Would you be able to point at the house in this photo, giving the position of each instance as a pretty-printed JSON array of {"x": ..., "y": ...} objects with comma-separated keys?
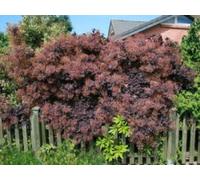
[{"x": 173, "y": 27}]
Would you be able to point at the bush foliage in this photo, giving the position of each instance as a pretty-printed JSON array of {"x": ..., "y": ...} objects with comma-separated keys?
[{"x": 82, "y": 82}]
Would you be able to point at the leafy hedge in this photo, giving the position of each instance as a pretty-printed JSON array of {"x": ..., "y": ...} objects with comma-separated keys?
[{"x": 82, "y": 82}]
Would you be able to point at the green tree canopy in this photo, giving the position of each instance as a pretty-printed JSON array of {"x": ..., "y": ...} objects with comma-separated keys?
[
  {"x": 190, "y": 47},
  {"x": 38, "y": 29}
]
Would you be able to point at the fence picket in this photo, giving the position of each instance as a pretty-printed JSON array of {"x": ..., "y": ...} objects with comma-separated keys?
[
  {"x": 83, "y": 146},
  {"x": 124, "y": 143},
  {"x": 51, "y": 138},
  {"x": 25, "y": 138},
  {"x": 184, "y": 141},
  {"x": 58, "y": 138},
  {"x": 43, "y": 131},
  {"x": 148, "y": 160},
  {"x": 8, "y": 134},
  {"x": 155, "y": 156},
  {"x": 192, "y": 141},
  {"x": 139, "y": 158},
  {"x": 17, "y": 140},
  {"x": 91, "y": 146},
  {"x": 169, "y": 146},
  {"x": 177, "y": 130},
  {"x": 1, "y": 132},
  {"x": 131, "y": 154},
  {"x": 174, "y": 132},
  {"x": 165, "y": 148}
]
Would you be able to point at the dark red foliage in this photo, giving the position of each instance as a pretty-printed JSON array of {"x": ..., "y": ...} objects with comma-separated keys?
[
  {"x": 11, "y": 114},
  {"x": 81, "y": 82}
]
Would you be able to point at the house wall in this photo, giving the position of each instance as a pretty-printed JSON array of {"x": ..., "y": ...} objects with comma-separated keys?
[{"x": 173, "y": 32}]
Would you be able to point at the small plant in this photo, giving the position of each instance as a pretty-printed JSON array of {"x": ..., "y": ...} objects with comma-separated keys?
[
  {"x": 64, "y": 154},
  {"x": 68, "y": 154},
  {"x": 112, "y": 144}
]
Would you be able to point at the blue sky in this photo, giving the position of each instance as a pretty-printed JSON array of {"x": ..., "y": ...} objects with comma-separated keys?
[{"x": 83, "y": 23}]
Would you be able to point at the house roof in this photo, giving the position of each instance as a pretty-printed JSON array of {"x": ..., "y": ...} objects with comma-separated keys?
[
  {"x": 122, "y": 29},
  {"x": 119, "y": 26}
]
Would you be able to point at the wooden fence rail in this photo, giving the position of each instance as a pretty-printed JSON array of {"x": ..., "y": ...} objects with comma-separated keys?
[{"x": 181, "y": 145}]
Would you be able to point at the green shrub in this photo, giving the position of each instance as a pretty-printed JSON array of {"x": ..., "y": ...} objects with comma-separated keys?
[
  {"x": 112, "y": 144},
  {"x": 10, "y": 155},
  {"x": 188, "y": 102}
]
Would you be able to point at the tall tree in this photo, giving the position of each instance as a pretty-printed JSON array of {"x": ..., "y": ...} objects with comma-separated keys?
[
  {"x": 38, "y": 29},
  {"x": 188, "y": 101},
  {"x": 190, "y": 47}
]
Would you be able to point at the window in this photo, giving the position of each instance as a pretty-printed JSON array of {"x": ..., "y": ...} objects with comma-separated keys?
[
  {"x": 184, "y": 19},
  {"x": 179, "y": 20},
  {"x": 171, "y": 21}
]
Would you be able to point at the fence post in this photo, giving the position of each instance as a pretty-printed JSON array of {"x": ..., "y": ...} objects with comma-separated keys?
[
  {"x": 35, "y": 131},
  {"x": 172, "y": 140}
]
